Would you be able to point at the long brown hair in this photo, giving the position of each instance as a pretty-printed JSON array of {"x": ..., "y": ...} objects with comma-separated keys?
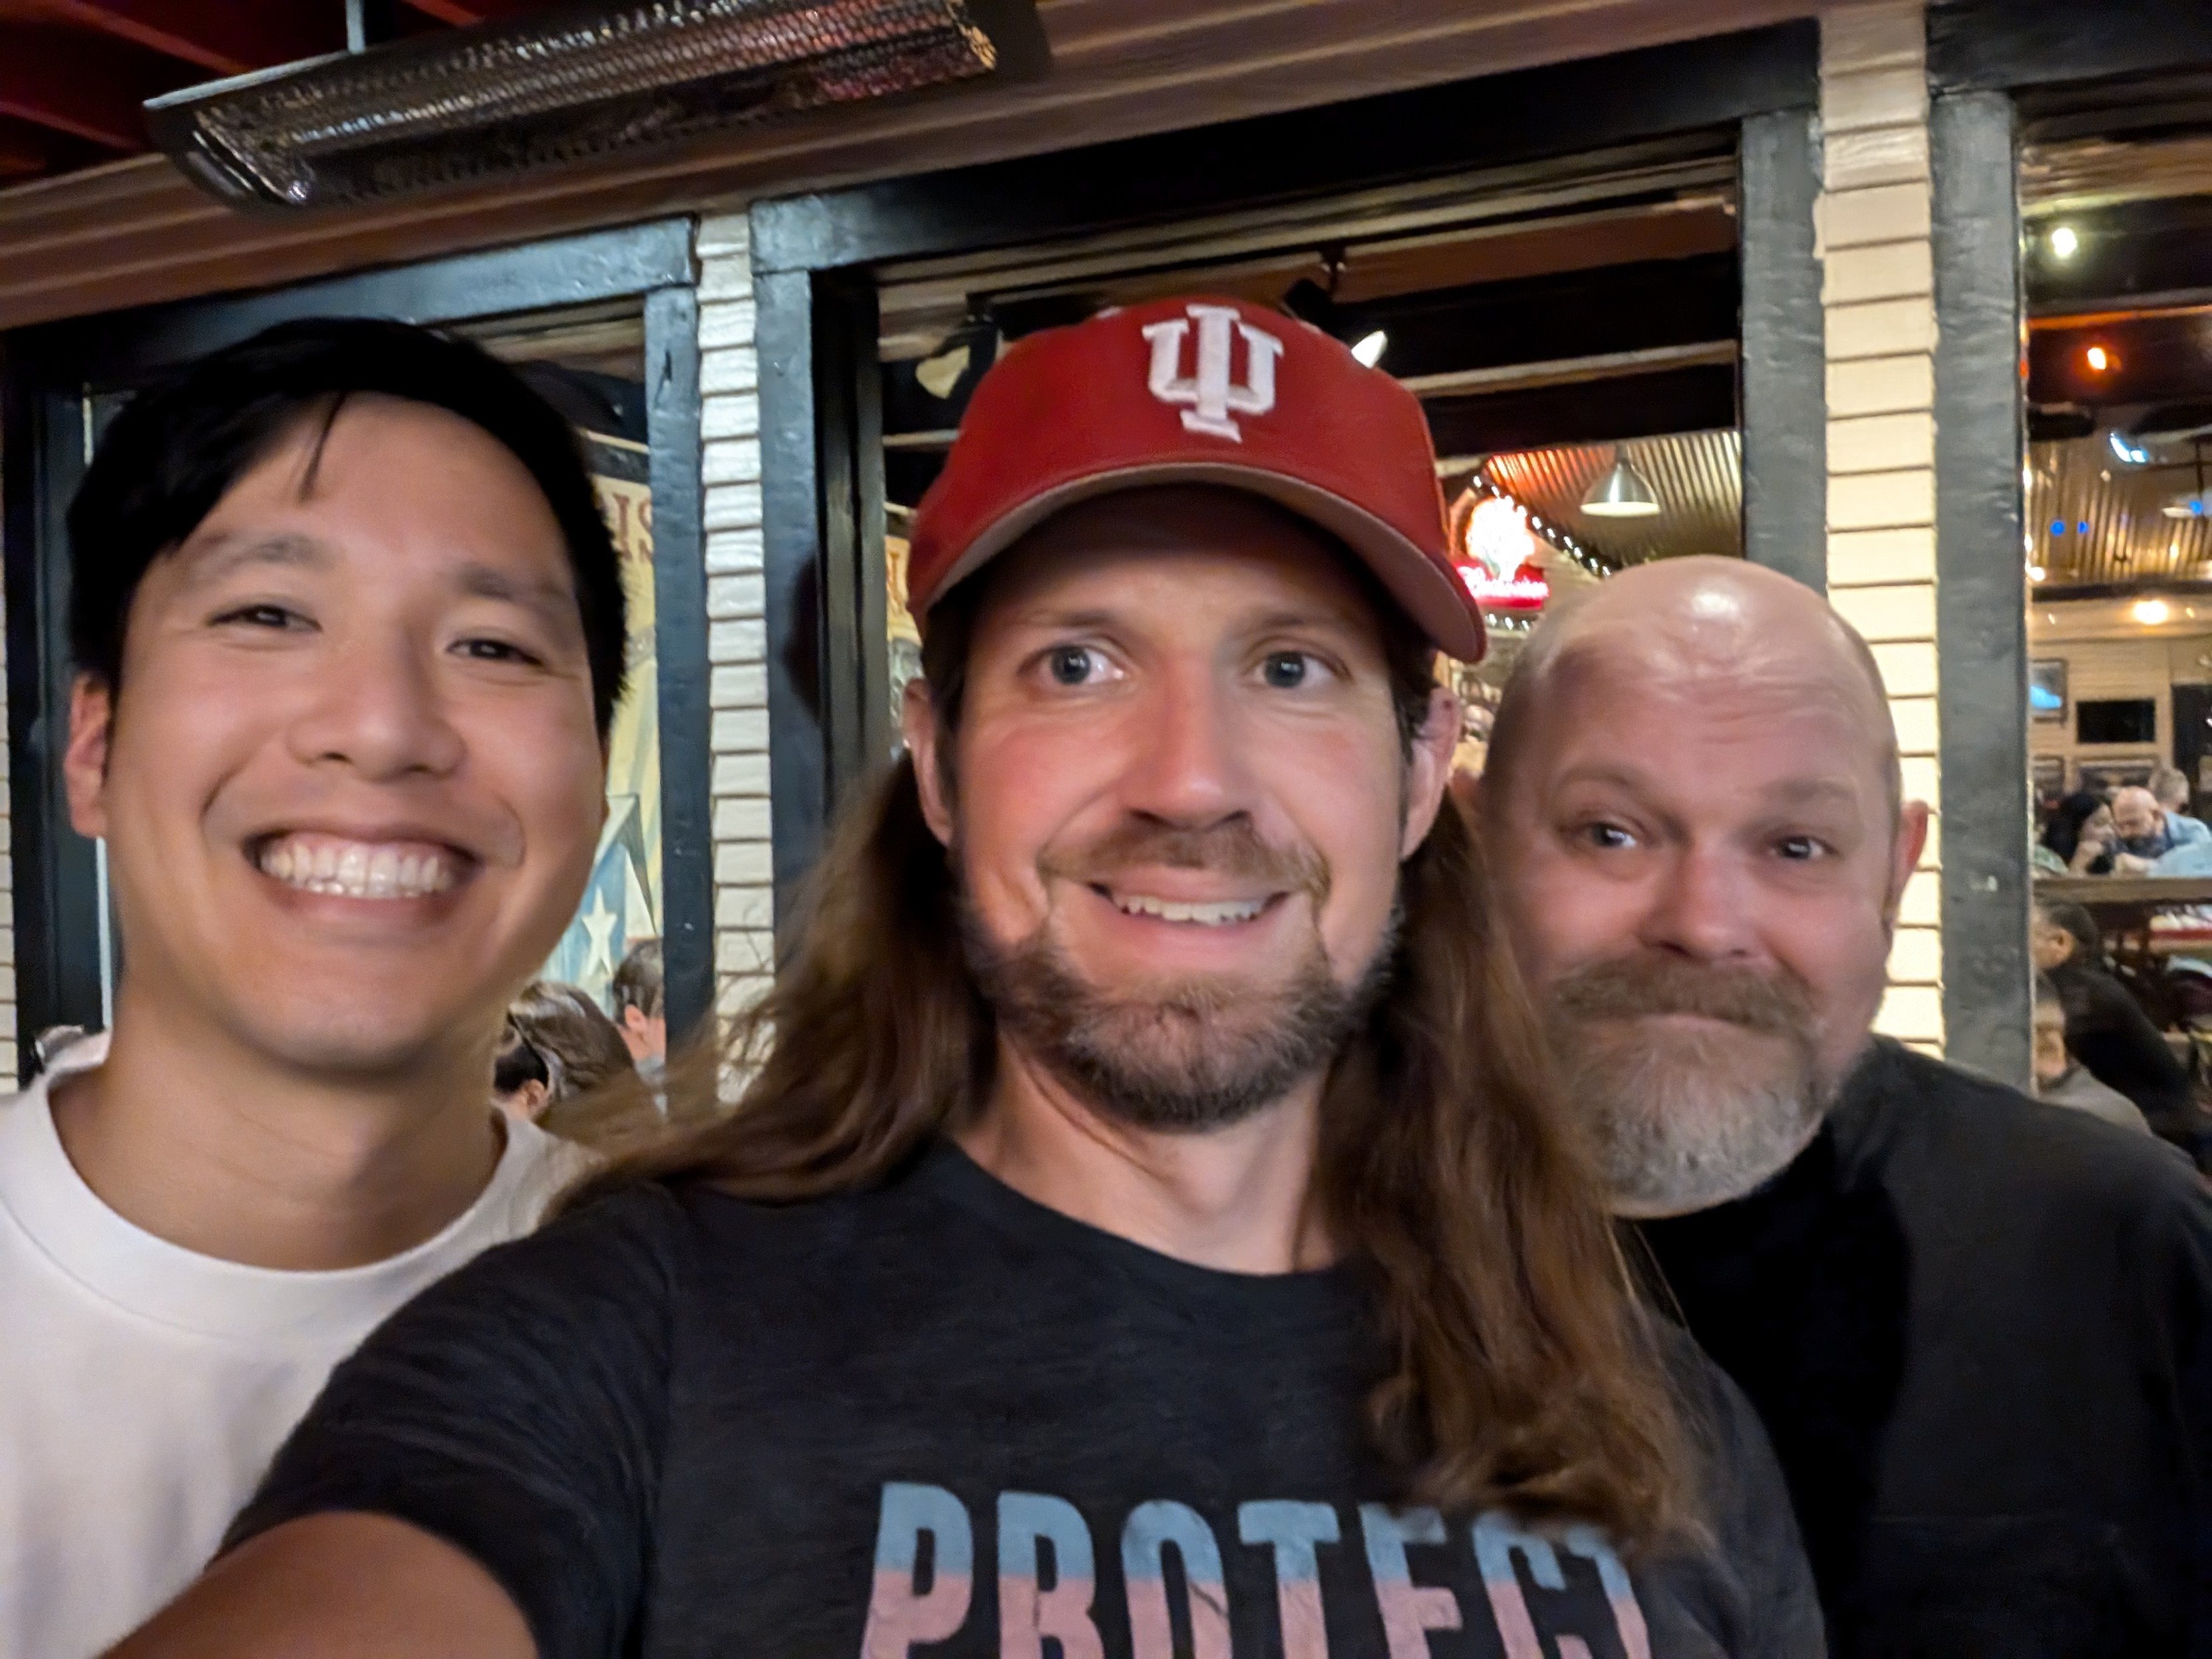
[{"x": 1524, "y": 1376}]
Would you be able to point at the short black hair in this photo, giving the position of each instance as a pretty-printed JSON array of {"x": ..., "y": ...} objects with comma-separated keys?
[
  {"x": 2076, "y": 920},
  {"x": 185, "y": 441},
  {"x": 637, "y": 983}
]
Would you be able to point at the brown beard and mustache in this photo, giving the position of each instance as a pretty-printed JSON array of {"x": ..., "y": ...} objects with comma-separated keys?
[
  {"x": 1179, "y": 1054},
  {"x": 1680, "y": 1119}
]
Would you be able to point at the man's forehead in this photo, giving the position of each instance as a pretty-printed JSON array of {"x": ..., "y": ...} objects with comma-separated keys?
[
  {"x": 1704, "y": 693},
  {"x": 1645, "y": 716},
  {"x": 1126, "y": 553}
]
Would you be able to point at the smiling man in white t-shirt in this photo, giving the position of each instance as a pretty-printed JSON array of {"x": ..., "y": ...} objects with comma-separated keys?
[{"x": 348, "y": 633}]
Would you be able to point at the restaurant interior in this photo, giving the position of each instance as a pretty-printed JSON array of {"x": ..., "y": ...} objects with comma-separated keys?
[{"x": 2118, "y": 264}]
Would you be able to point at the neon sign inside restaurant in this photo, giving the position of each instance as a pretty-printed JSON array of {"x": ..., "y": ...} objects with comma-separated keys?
[{"x": 1498, "y": 553}]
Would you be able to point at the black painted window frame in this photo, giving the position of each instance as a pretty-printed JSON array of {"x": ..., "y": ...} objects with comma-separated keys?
[{"x": 48, "y": 377}]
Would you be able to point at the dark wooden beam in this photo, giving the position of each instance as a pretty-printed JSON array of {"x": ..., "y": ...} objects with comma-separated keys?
[
  {"x": 226, "y": 40},
  {"x": 87, "y": 87}
]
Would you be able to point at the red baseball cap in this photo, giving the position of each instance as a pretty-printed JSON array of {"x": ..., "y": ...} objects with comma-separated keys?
[{"x": 1198, "y": 390}]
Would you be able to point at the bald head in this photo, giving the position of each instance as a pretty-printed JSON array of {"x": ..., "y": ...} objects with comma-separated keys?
[
  {"x": 1703, "y": 624},
  {"x": 2136, "y": 815}
]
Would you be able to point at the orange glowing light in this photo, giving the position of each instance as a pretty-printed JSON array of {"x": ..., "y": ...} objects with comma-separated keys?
[{"x": 2100, "y": 361}]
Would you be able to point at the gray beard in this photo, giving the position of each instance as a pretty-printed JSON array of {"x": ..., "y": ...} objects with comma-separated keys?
[
  {"x": 1672, "y": 1134},
  {"x": 1682, "y": 1119},
  {"x": 1182, "y": 1056}
]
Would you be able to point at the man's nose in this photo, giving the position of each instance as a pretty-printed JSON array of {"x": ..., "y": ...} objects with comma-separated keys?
[
  {"x": 1703, "y": 907},
  {"x": 377, "y": 708},
  {"x": 1188, "y": 765}
]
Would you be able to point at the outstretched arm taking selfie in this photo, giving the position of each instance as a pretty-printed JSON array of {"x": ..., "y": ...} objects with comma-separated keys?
[{"x": 339, "y": 1587}]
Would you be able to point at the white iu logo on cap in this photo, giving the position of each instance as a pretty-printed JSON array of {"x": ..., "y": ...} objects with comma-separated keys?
[{"x": 1212, "y": 394}]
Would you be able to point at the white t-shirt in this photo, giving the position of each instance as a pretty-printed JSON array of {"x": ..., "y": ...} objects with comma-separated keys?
[{"x": 143, "y": 1389}]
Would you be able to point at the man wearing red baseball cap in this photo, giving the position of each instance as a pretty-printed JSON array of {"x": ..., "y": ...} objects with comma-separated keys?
[{"x": 1147, "y": 1229}]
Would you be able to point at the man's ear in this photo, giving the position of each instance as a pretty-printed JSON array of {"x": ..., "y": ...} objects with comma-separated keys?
[
  {"x": 1904, "y": 853},
  {"x": 84, "y": 762},
  {"x": 1431, "y": 768},
  {"x": 918, "y": 720}
]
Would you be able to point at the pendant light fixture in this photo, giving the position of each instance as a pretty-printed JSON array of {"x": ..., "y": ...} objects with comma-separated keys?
[{"x": 1622, "y": 493}]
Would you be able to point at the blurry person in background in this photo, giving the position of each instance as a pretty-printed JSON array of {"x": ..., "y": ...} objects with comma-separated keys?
[
  {"x": 348, "y": 632},
  {"x": 2106, "y": 1029},
  {"x": 2143, "y": 831},
  {"x": 2169, "y": 788},
  {"x": 558, "y": 1062},
  {"x": 1979, "y": 1329},
  {"x": 2078, "y": 838},
  {"x": 640, "y": 1009},
  {"x": 2062, "y": 1079}
]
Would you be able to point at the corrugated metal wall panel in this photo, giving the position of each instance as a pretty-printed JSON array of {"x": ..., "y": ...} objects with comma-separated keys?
[{"x": 2092, "y": 520}]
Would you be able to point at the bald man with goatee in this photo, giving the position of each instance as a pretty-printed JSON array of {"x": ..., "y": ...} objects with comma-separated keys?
[{"x": 1979, "y": 1328}]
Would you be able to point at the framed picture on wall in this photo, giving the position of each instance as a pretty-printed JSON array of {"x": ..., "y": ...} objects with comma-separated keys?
[
  {"x": 2104, "y": 777},
  {"x": 2046, "y": 689}
]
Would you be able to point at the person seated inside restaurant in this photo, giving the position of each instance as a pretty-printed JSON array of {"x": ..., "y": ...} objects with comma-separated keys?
[
  {"x": 2078, "y": 839},
  {"x": 2060, "y": 1077},
  {"x": 2169, "y": 787},
  {"x": 2145, "y": 831},
  {"x": 2107, "y": 1029},
  {"x": 2191, "y": 852}
]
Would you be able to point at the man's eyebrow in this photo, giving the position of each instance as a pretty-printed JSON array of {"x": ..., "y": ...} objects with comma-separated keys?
[
  {"x": 1319, "y": 616},
  {"x": 556, "y": 601},
  {"x": 1624, "y": 777},
  {"x": 1051, "y": 617},
  {"x": 219, "y": 556}
]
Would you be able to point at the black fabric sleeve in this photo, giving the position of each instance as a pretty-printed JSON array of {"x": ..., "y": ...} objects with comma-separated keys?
[
  {"x": 1744, "y": 1503},
  {"x": 516, "y": 1410}
]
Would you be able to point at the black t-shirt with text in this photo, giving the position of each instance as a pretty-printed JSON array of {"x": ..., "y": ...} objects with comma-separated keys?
[{"x": 939, "y": 1419}]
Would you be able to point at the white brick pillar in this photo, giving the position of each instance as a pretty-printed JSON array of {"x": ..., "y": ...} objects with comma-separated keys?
[
  {"x": 1879, "y": 296},
  {"x": 736, "y": 645}
]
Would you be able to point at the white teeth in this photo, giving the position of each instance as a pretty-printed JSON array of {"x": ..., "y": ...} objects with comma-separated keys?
[
  {"x": 1205, "y": 915},
  {"x": 356, "y": 869}
]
